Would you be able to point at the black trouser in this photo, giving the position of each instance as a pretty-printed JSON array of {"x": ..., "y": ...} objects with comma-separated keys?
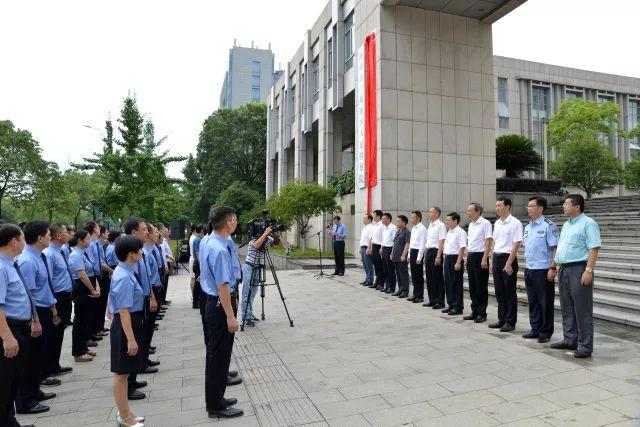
[
  {"x": 435, "y": 279},
  {"x": 165, "y": 285},
  {"x": 63, "y": 306},
  {"x": 151, "y": 324},
  {"x": 453, "y": 282},
  {"x": 505, "y": 286},
  {"x": 143, "y": 347},
  {"x": 338, "y": 255},
  {"x": 417, "y": 274},
  {"x": 36, "y": 361},
  {"x": 389, "y": 270},
  {"x": 80, "y": 333},
  {"x": 402, "y": 276},
  {"x": 12, "y": 370},
  {"x": 541, "y": 295},
  {"x": 101, "y": 303},
  {"x": 376, "y": 258},
  {"x": 219, "y": 346},
  {"x": 478, "y": 283}
]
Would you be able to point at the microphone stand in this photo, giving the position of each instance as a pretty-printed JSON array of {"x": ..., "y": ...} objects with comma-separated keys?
[{"x": 322, "y": 273}]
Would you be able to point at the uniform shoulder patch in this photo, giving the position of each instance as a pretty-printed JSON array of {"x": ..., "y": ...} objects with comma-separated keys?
[{"x": 548, "y": 221}]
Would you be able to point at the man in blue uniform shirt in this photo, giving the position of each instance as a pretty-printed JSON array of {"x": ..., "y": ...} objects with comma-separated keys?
[
  {"x": 96, "y": 252},
  {"x": 540, "y": 241},
  {"x": 338, "y": 233}
]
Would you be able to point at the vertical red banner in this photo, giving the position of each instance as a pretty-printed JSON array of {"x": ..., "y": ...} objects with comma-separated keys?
[{"x": 371, "y": 116}]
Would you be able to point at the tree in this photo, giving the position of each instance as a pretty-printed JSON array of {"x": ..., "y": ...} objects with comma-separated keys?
[
  {"x": 297, "y": 202},
  {"x": 632, "y": 172},
  {"x": 48, "y": 194},
  {"x": 197, "y": 205},
  {"x": 86, "y": 191},
  {"x": 516, "y": 154},
  {"x": 241, "y": 198},
  {"x": 20, "y": 160},
  {"x": 578, "y": 120}
]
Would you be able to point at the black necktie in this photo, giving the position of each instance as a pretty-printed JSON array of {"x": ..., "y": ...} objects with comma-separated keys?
[
  {"x": 24, "y": 284},
  {"x": 144, "y": 306},
  {"x": 46, "y": 266},
  {"x": 86, "y": 255},
  {"x": 67, "y": 264}
]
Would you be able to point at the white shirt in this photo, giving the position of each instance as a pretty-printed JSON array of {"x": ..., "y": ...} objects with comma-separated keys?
[
  {"x": 167, "y": 249},
  {"x": 376, "y": 233},
  {"x": 437, "y": 231},
  {"x": 388, "y": 234},
  {"x": 505, "y": 234},
  {"x": 479, "y": 231},
  {"x": 418, "y": 238},
  {"x": 365, "y": 234},
  {"x": 191, "y": 239},
  {"x": 456, "y": 239}
]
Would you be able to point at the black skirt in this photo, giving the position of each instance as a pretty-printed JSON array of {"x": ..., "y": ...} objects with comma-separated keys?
[{"x": 121, "y": 362}]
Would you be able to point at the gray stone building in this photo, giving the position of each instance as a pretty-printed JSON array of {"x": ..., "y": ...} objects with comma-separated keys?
[{"x": 249, "y": 76}]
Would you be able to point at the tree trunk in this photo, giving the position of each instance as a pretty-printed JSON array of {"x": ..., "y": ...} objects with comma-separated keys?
[
  {"x": 303, "y": 244},
  {"x": 1, "y": 197}
]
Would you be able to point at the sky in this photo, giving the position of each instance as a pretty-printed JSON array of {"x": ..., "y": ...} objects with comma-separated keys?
[{"x": 69, "y": 64}]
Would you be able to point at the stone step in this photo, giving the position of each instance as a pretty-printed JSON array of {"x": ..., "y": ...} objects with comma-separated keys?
[
  {"x": 619, "y": 265},
  {"x": 618, "y": 256},
  {"x": 621, "y": 249},
  {"x": 619, "y": 241}
]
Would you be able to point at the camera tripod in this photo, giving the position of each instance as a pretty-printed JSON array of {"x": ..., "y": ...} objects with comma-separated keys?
[{"x": 259, "y": 279}]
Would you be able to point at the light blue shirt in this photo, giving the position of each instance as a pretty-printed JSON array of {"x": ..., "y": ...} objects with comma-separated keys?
[
  {"x": 78, "y": 261},
  {"x": 125, "y": 291},
  {"x": 96, "y": 253},
  {"x": 540, "y": 237},
  {"x": 579, "y": 235},
  {"x": 35, "y": 276},
  {"x": 143, "y": 274},
  {"x": 60, "y": 274},
  {"x": 215, "y": 269},
  {"x": 110, "y": 258},
  {"x": 196, "y": 244},
  {"x": 14, "y": 300},
  {"x": 235, "y": 263},
  {"x": 67, "y": 252},
  {"x": 152, "y": 266},
  {"x": 339, "y": 228}
]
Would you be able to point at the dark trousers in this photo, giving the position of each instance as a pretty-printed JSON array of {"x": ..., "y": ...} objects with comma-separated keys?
[
  {"x": 338, "y": 255},
  {"x": 165, "y": 286},
  {"x": 505, "y": 287},
  {"x": 453, "y": 282},
  {"x": 478, "y": 283},
  {"x": 63, "y": 306},
  {"x": 417, "y": 274},
  {"x": 377, "y": 264},
  {"x": 36, "y": 361},
  {"x": 402, "y": 276},
  {"x": 219, "y": 346},
  {"x": 80, "y": 333},
  {"x": 101, "y": 303},
  {"x": 196, "y": 292},
  {"x": 541, "y": 296},
  {"x": 389, "y": 270},
  {"x": 435, "y": 279},
  {"x": 11, "y": 372},
  {"x": 576, "y": 301},
  {"x": 150, "y": 325},
  {"x": 143, "y": 346}
]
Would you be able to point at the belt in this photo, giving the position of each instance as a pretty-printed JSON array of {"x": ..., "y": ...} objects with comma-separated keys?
[
  {"x": 473, "y": 253},
  {"x": 501, "y": 254},
  {"x": 432, "y": 249},
  {"x": 18, "y": 323},
  {"x": 446, "y": 256},
  {"x": 364, "y": 246},
  {"x": 571, "y": 264}
]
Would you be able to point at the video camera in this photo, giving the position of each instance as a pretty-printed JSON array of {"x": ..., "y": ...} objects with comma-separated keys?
[{"x": 257, "y": 226}]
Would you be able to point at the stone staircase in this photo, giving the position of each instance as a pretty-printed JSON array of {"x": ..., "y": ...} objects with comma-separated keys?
[{"x": 616, "y": 295}]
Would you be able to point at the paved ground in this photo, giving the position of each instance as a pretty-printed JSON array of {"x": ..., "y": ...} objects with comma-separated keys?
[{"x": 359, "y": 357}]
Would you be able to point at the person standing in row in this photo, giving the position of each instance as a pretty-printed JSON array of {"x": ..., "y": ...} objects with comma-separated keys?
[
  {"x": 168, "y": 255},
  {"x": 416, "y": 247},
  {"x": 375, "y": 243},
  {"x": 399, "y": 254},
  {"x": 196, "y": 290},
  {"x": 150, "y": 260},
  {"x": 388, "y": 234},
  {"x": 576, "y": 256},
  {"x": 436, "y": 234},
  {"x": 110, "y": 253},
  {"x": 507, "y": 235},
  {"x": 102, "y": 270},
  {"x": 478, "y": 247},
  {"x": 338, "y": 233},
  {"x": 454, "y": 245},
  {"x": 365, "y": 238}
]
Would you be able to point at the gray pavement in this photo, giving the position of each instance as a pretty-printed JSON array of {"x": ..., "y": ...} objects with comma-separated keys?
[{"x": 359, "y": 357}]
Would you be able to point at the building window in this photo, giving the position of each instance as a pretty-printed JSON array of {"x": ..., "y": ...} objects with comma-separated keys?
[
  {"x": 348, "y": 159},
  {"x": 574, "y": 94},
  {"x": 606, "y": 139},
  {"x": 330, "y": 63},
  {"x": 349, "y": 41},
  {"x": 315, "y": 66},
  {"x": 277, "y": 122},
  {"x": 503, "y": 103},
  {"x": 255, "y": 67},
  {"x": 540, "y": 113},
  {"x": 634, "y": 113},
  {"x": 255, "y": 81},
  {"x": 255, "y": 94},
  {"x": 292, "y": 104}
]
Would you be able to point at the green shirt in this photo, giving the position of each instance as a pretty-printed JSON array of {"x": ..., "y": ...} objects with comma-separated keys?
[{"x": 578, "y": 236}]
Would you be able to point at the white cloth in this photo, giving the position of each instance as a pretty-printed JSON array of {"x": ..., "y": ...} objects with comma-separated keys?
[
  {"x": 506, "y": 233},
  {"x": 388, "y": 234},
  {"x": 365, "y": 234},
  {"x": 376, "y": 234},
  {"x": 437, "y": 231},
  {"x": 456, "y": 239},
  {"x": 478, "y": 232},
  {"x": 191, "y": 254},
  {"x": 418, "y": 238}
]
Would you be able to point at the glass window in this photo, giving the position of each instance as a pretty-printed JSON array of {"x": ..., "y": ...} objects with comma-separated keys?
[
  {"x": 348, "y": 158},
  {"x": 255, "y": 67},
  {"x": 503, "y": 103},
  {"x": 606, "y": 139},
  {"x": 574, "y": 94},
  {"x": 255, "y": 94},
  {"x": 540, "y": 113},
  {"x": 292, "y": 103},
  {"x": 255, "y": 81},
  {"x": 634, "y": 113},
  {"x": 503, "y": 122},
  {"x": 349, "y": 41},
  {"x": 330, "y": 63},
  {"x": 315, "y": 65},
  {"x": 278, "y": 121}
]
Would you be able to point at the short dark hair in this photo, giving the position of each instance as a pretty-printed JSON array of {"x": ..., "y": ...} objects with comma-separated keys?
[
  {"x": 337, "y": 217},
  {"x": 113, "y": 235},
  {"x": 220, "y": 215},
  {"x": 378, "y": 212},
  {"x": 540, "y": 201},
  {"x": 477, "y": 207},
  {"x": 418, "y": 214},
  {"x": 193, "y": 228},
  {"x": 437, "y": 208},
  {"x": 127, "y": 244},
  {"x": 54, "y": 228},
  {"x": 199, "y": 228},
  {"x": 505, "y": 200},
  {"x": 9, "y": 232},
  {"x": 132, "y": 224},
  {"x": 576, "y": 199},
  {"x": 388, "y": 215},
  {"x": 90, "y": 226},
  {"x": 33, "y": 230},
  {"x": 403, "y": 218},
  {"x": 370, "y": 217},
  {"x": 80, "y": 235},
  {"x": 103, "y": 229},
  {"x": 454, "y": 216}
]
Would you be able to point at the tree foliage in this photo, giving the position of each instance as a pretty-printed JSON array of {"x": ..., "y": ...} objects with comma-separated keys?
[
  {"x": 579, "y": 121},
  {"x": 344, "y": 183},
  {"x": 241, "y": 198},
  {"x": 516, "y": 154},
  {"x": 632, "y": 172}
]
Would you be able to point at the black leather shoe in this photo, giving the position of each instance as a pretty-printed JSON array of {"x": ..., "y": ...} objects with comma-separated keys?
[
  {"x": 35, "y": 409},
  {"x": 543, "y": 340},
  {"x": 63, "y": 370},
  {"x": 233, "y": 374},
  {"x": 149, "y": 370},
  {"x": 45, "y": 396},
  {"x": 228, "y": 412},
  {"x": 139, "y": 384},
  {"x": 529, "y": 336},
  {"x": 152, "y": 351},
  {"x": 363, "y": 283},
  {"x": 152, "y": 347},
  {"x": 454, "y": 312},
  {"x": 581, "y": 354},
  {"x": 96, "y": 338},
  {"x": 411, "y": 299},
  {"x": 389, "y": 291},
  {"x": 403, "y": 295},
  {"x": 50, "y": 382},
  {"x": 231, "y": 401},
  {"x": 480, "y": 319},
  {"x": 561, "y": 345},
  {"x": 418, "y": 300},
  {"x": 233, "y": 380},
  {"x": 153, "y": 362},
  {"x": 136, "y": 395},
  {"x": 92, "y": 343},
  {"x": 445, "y": 310},
  {"x": 427, "y": 304},
  {"x": 507, "y": 328},
  {"x": 396, "y": 294},
  {"x": 437, "y": 306},
  {"x": 470, "y": 317},
  {"x": 496, "y": 325}
]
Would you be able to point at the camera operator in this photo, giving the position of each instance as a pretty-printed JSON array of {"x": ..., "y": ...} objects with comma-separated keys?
[{"x": 255, "y": 257}]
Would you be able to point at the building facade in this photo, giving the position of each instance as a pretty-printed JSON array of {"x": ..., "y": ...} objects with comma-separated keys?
[{"x": 249, "y": 76}]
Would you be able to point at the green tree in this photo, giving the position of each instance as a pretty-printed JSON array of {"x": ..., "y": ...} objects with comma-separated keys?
[
  {"x": 48, "y": 195},
  {"x": 86, "y": 191},
  {"x": 241, "y": 198},
  {"x": 632, "y": 172},
  {"x": 516, "y": 154},
  {"x": 297, "y": 202},
  {"x": 197, "y": 205},
  {"x": 579, "y": 121},
  {"x": 20, "y": 160}
]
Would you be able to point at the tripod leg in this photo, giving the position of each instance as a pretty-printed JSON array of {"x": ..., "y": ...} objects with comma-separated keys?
[
  {"x": 247, "y": 301},
  {"x": 277, "y": 283}
]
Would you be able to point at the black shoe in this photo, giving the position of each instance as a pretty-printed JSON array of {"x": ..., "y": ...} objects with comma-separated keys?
[
  {"x": 340, "y": 274},
  {"x": 231, "y": 401},
  {"x": 403, "y": 295},
  {"x": 152, "y": 347},
  {"x": 149, "y": 370},
  {"x": 160, "y": 316},
  {"x": 411, "y": 298},
  {"x": 543, "y": 340},
  {"x": 45, "y": 396},
  {"x": 445, "y": 310},
  {"x": 96, "y": 338},
  {"x": 228, "y": 412},
  {"x": 62, "y": 371},
  {"x": 470, "y": 317},
  {"x": 530, "y": 335},
  {"x": 233, "y": 380},
  {"x": 496, "y": 325},
  {"x": 92, "y": 343},
  {"x": 136, "y": 395},
  {"x": 389, "y": 291},
  {"x": 396, "y": 294},
  {"x": 581, "y": 354},
  {"x": 35, "y": 409},
  {"x": 363, "y": 283},
  {"x": 561, "y": 345},
  {"x": 50, "y": 382},
  {"x": 418, "y": 300},
  {"x": 138, "y": 384},
  {"x": 507, "y": 328},
  {"x": 152, "y": 351},
  {"x": 454, "y": 312},
  {"x": 437, "y": 306},
  {"x": 233, "y": 374},
  {"x": 153, "y": 362},
  {"x": 167, "y": 302},
  {"x": 427, "y": 304},
  {"x": 382, "y": 289},
  {"x": 480, "y": 319}
]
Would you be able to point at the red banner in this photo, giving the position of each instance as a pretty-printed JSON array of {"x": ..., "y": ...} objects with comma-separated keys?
[{"x": 370, "y": 119}]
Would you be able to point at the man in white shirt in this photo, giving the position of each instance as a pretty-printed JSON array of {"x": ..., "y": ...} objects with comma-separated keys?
[
  {"x": 416, "y": 253},
  {"x": 436, "y": 234},
  {"x": 388, "y": 234},
  {"x": 507, "y": 236},
  {"x": 365, "y": 238},
  {"x": 454, "y": 245},
  {"x": 375, "y": 244},
  {"x": 478, "y": 247}
]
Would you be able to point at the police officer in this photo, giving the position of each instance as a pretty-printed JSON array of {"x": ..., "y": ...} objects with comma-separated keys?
[
  {"x": 102, "y": 270},
  {"x": 18, "y": 322},
  {"x": 218, "y": 283},
  {"x": 151, "y": 259},
  {"x": 576, "y": 256},
  {"x": 436, "y": 233},
  {"x": 478, "y": 247},
  {"x": 62, "y": 287},
  {"x": 110, "y": 253},
  {"x": 195, "y": 265},
  {"x": 455, "y": 243},
  {"x": 540, "y": 240}
]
